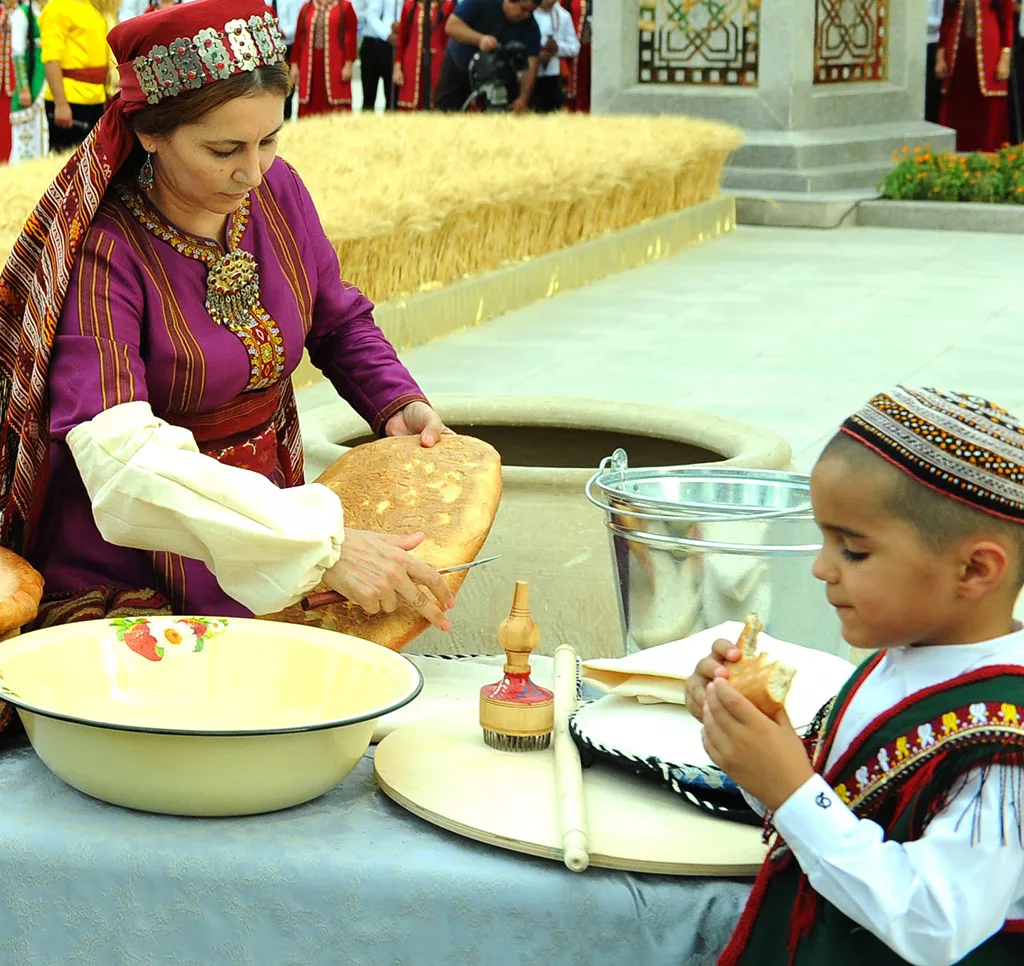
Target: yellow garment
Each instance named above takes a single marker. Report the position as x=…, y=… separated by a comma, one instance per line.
x=74, y=33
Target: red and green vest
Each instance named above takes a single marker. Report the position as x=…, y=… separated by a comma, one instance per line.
x=899, y=772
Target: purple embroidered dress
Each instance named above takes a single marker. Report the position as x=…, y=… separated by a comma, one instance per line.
x=135, y=327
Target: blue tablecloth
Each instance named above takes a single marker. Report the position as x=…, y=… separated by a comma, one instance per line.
x=348, y=879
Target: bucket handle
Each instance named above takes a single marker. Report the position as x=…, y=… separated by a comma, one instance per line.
x=712, y=546
x=793, y=512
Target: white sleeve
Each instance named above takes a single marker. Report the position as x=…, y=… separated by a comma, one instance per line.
x=932, y=900
x=568, y=42
x=19, y=32
x=152, y=489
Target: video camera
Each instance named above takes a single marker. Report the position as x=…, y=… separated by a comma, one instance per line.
x=493, y=74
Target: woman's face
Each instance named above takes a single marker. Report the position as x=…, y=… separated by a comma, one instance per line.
x=212, y=165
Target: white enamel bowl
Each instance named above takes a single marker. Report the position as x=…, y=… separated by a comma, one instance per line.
x=199, y=716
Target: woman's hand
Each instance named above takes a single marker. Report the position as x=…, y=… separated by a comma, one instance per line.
x=417, y=418
x=294, y=68
x=377, y=572
x=1003, y=67
x=346, y=72
x=25, y=98
x=397, y=76
x=941, y=70
x=763, y=755
x=723, y=652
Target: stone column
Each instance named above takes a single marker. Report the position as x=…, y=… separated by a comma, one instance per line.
x=825, y=90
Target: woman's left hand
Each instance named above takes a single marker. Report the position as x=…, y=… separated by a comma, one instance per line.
x=417, y=418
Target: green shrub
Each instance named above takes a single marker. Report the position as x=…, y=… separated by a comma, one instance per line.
x=921, y=175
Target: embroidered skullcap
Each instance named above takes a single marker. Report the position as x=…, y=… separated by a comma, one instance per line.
x=964, y=446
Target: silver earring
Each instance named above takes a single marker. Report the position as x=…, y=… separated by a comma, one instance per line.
x=146, y=173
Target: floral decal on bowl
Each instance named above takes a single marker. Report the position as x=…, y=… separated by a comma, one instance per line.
x=155, y=638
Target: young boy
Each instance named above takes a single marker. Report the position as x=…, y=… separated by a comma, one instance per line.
x=899, y=827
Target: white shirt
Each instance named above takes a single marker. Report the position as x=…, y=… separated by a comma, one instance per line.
x=288, y=18
x=378, y=16
x=131, y=8
x=556, y=23
x=934, y=19
x=934, y=900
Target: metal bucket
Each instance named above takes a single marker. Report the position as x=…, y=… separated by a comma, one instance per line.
x=693, y=546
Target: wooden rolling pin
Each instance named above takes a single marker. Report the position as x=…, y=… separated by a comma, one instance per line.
x=572, y=820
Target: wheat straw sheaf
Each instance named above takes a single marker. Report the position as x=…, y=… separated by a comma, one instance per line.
x=418, y=201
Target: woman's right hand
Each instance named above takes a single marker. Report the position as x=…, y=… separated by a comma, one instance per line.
x=941, y=70
x=377, y=572
x=397, y=77
x=723, y=652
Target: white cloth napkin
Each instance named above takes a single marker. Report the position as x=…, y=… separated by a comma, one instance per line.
x=658, y=675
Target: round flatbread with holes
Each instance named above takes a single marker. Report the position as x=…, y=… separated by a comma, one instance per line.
x=450, y=492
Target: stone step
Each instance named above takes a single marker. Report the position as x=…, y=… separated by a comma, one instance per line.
x=837, y=146
x=841, y=177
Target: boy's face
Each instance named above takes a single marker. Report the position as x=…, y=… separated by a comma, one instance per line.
x=889, y=588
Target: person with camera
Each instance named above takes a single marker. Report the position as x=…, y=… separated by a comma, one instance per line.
x=486, y=25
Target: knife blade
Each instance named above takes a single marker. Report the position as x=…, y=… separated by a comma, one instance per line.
x=313, y=601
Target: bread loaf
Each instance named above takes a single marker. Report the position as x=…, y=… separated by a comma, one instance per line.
x=21, y=589
x=765, y=683
x=450, y=492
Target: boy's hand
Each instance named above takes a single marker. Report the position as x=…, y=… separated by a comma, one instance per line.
x=723, y=652
x=763, y=755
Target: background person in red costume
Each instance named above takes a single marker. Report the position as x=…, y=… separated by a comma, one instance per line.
x=577, y=70
x=323, y=56
x=8, y=84
x=973, y=62
x=408, y=73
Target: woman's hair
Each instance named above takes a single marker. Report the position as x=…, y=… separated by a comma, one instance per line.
x=163, y=119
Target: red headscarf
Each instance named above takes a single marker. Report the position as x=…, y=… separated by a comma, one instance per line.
x=160, y=55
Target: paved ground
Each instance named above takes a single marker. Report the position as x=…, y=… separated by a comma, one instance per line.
x=790, y=329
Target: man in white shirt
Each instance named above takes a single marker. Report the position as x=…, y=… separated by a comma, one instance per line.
x=932, y=86
x=377, y=54
x=557, y=40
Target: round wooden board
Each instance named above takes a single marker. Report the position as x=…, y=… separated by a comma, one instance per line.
x=441, y=770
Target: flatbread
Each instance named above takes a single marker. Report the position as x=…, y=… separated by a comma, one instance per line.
x=21, y=589
x=764, y=682
x=450, y=492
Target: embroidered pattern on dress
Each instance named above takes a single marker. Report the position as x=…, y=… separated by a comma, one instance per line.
x=963, y=725
x=233, y=287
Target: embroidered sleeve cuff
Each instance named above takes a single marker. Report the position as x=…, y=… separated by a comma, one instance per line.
x=814, y=820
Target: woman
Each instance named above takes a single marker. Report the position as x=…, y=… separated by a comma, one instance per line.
x=189, y=270
x=29, y=133
x=324, y=55
x=408, y=71
x=973, y=63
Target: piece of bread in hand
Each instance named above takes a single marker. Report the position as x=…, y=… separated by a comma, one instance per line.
x=762, y=681
x=449, y=491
